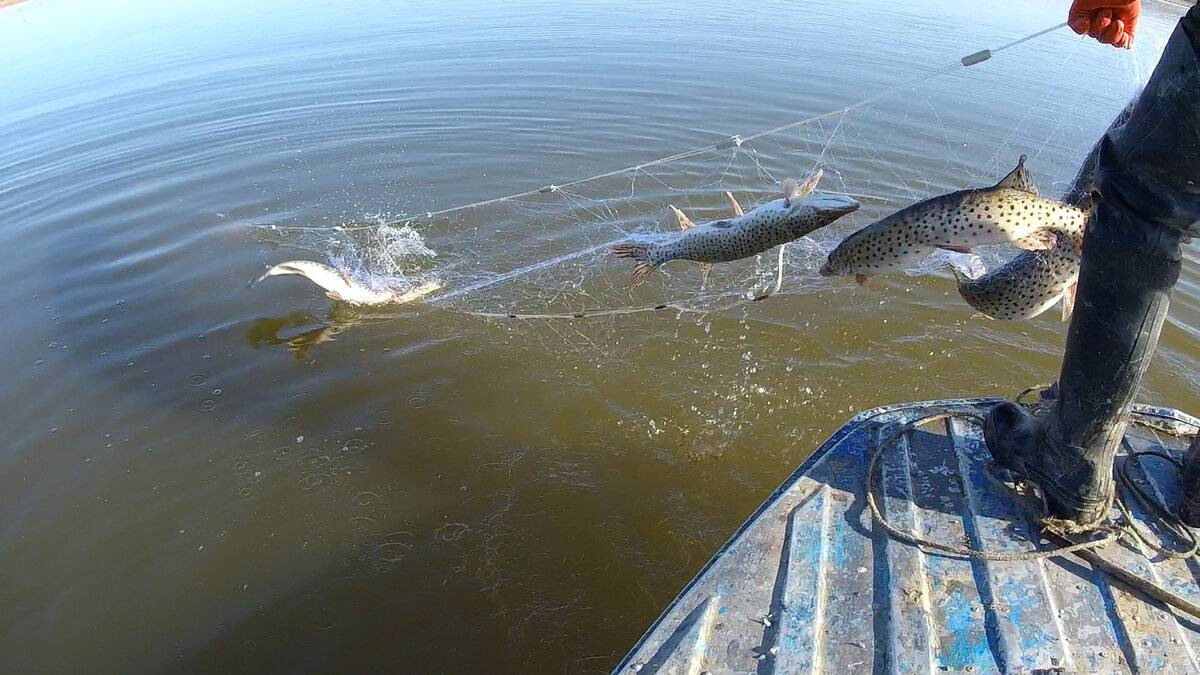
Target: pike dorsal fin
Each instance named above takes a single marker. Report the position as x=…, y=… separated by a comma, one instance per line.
x=789, y=188
x=793, y=188
x=734, y=205
x=675, y=217
x=1019, y=179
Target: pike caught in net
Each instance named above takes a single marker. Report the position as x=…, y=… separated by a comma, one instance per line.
x=546, y=253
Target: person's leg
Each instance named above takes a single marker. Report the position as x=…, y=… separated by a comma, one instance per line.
x=1148, y=184
x=1189, y=510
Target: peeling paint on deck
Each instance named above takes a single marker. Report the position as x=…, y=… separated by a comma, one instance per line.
x=811, y=584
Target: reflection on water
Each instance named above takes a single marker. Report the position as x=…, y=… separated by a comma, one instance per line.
x=201, y=477
x=301, y=331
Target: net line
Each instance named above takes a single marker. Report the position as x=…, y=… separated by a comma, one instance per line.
x=604, y=209
x=736, y=140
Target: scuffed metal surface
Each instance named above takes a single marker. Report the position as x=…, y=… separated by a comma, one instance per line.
x=811, y=584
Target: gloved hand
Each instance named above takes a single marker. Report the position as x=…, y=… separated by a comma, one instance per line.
x=1109, y=21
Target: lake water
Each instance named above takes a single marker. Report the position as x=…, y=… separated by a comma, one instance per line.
x=201, y=476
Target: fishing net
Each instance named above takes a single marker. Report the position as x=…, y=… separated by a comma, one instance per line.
x=544, y=255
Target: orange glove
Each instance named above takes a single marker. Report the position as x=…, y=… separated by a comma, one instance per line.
x=1109, y=21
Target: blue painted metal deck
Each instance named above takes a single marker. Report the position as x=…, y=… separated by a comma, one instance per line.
x=811, y=584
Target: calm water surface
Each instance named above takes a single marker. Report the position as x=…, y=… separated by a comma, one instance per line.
x=201, y=476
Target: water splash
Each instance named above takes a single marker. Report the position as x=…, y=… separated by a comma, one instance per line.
x=387, y=256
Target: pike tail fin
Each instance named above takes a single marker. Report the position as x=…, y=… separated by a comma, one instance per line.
x=632, y=249
x=640, y=272
x=641, y=253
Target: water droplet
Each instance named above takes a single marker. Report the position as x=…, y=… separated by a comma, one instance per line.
x=392, y=551
x=366, y=498
x=451, y=531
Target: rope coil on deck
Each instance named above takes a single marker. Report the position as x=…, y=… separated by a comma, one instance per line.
x=1062, y=530
x=1169, y=520
x=1112, y=533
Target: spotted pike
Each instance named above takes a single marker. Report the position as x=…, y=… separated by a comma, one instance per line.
x=1030, y=283
x=776, y=222
x=1027, y=285
x=1010, y=211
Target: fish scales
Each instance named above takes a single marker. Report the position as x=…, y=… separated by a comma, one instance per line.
x=1026, y=286
x=774, y=223
x=1030, y=283
x=724, y=241
x=1010, y=211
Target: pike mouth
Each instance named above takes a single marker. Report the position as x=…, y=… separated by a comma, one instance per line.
x=834, y=206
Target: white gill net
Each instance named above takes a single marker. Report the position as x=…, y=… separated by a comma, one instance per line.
x=544, y=256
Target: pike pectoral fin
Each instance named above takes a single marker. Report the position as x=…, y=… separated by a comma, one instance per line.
x=956, y=249
x=705, y=270
x=860, y=279
x=734, y=205
x=1068, y=300
x=1038, y=241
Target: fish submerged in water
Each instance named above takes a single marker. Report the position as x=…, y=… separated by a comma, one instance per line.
x=339, y=286
x=1011, y=211
x=746, y=234
x=1027, y=285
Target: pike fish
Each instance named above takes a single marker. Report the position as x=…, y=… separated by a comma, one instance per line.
x=776, y=222
x=339, y=286
x=1027, y=285
x=1030, y=283
x=1010, y=211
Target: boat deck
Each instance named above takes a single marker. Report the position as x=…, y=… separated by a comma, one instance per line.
x=811, y=583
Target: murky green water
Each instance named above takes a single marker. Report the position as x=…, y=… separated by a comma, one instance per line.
x=200, y=476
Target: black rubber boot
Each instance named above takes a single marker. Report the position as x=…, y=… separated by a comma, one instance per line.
x=1189, y=510
x=1148, y=202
